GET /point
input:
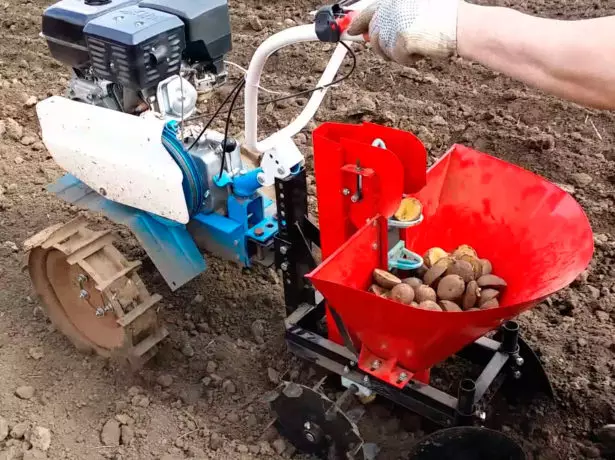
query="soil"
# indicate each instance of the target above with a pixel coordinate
(201, 397)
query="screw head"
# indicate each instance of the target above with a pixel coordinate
(517, 375)
(346, 192)
(281, 171)
(376, 364)
(284, 266)
(307, 425)
(260, 179)
(354, 198)
(283, 250)
(310, 437)
(82, 278)
(366, 380)
(482, 415)
(519, 361)
(346, 369)
(100, 312)
(375, 246)
(402, 377)
(83, 294)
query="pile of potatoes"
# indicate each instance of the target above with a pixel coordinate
(458, 281)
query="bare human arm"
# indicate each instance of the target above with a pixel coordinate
(574, 60)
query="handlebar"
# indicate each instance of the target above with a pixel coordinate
(294, 35)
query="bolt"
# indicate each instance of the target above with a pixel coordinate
(346, 192)
(376, 364)
(354, 198)
(283, 250)
(83, 294)
(517, 375)
(366, 380)
(82, 278)
(482, 415)
(346, 369)
(352, 364)
(519, 361)
(284, 266)
(307, 425)
(260, 179)
(402, 377)
(375, 246)
(100, 312)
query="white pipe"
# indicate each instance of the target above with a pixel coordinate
(313, 104)
(299, 34)
(284, 38)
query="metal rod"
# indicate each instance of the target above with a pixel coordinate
(510, 337)
(465, 403)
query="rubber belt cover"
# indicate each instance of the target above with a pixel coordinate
(193, 182)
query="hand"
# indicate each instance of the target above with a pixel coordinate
(406, 30)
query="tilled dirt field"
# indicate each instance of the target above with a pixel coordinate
(201, 396)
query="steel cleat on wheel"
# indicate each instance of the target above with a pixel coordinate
(92, 294)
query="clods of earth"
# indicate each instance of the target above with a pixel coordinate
(201, 397)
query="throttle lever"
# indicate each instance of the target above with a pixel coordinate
(331, 22)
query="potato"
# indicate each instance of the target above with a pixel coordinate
(471, 295)
(464, 250)
(493, 303)
(463, 269)
(424, 293)
(410, 209)
(414, 283)
(385, 279)
(447, 305)
(487, 268)
(378, 290)
(477, 266)
(433, 255)
(437, 270)
(491, 281)
(451, 287)
(430, 305)
(402, 293)
(488, 294)
(420, 272)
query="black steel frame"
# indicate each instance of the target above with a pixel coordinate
(503, 358)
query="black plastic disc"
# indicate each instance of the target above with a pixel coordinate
(467, 443)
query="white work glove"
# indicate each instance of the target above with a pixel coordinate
(406, 30)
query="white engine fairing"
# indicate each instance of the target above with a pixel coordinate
(119, 155)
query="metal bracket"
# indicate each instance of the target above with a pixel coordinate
(296, 235)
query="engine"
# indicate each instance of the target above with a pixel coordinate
(134, 56)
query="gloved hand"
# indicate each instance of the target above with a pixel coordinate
(406, 30)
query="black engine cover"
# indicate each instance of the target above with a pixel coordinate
(208, 27)
(135, 47)
(63, 25)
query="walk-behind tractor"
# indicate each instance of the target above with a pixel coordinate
(416, 265)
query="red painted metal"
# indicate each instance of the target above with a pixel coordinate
(400, 169)
(535, 234)
(387, 174)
